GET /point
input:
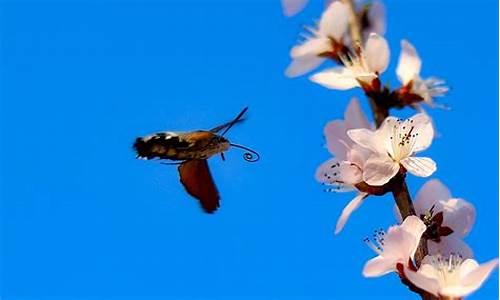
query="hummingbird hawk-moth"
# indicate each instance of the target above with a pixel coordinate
(191, 150)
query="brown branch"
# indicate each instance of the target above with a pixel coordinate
(379, 112)
(399, 188)
(405, 206)
(402, 197)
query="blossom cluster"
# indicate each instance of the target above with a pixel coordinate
(374, 160)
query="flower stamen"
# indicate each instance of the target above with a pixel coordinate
(376, 243)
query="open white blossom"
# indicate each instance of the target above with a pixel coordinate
(393, 145)
(345, 169)
(457, 214)
(408, 71)
(365, 66)
(371, 14)
(327, 38)
(450, 277)
(397, 246)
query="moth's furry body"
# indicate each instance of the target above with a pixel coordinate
(198, 144)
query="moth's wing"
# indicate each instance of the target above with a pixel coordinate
(239, 118)
(196, 178)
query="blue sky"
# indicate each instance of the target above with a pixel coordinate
(83, 219)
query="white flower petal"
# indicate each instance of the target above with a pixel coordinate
(377, 53)
(366, 138)
(474, 279)
(386, 134)
(430, 285)
(376, 16)
(423, 131)
(334, 21)
(354, 116)
(436, 276)
(378, 266)
(467, 266)
(419, 166)
(401, 242)
(449, 245)
(409, 63)
(341, 174)
(350, 173)
(337, 141)
(366, 77)
(311, 47)
(303, 65)
(378, 170)
(348, 210)
(427, 268)
(338, 78)
(325, 171)
(399, 245)
(414, 226)
(358, 155)
(458, 214)
(455, 291)
(292, 7)
(429, 194)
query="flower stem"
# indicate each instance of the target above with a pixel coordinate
(405, 205)
(379, 112)
(403, 199)
(399, 188)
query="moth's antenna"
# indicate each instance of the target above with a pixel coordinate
(250, 155)
(238, 117)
